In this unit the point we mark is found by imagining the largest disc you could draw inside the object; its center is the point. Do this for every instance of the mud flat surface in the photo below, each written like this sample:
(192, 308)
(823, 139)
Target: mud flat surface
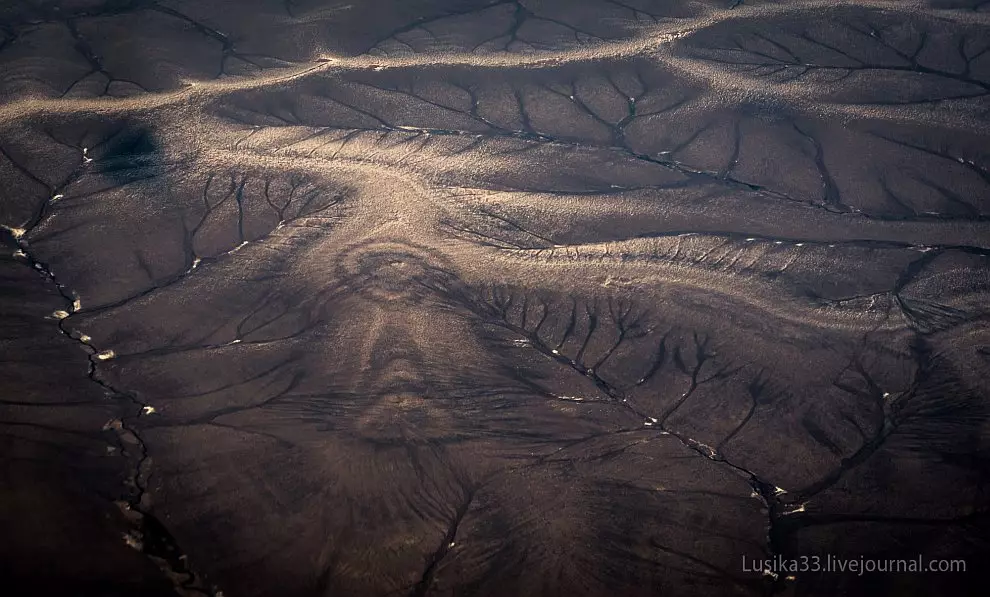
(492, 299)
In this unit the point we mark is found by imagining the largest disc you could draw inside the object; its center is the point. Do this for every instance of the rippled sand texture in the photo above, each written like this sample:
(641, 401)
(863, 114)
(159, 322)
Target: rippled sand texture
(492, 299)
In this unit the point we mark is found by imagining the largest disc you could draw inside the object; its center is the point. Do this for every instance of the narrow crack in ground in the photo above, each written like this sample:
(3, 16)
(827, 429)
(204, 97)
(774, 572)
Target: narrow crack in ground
(149, 535)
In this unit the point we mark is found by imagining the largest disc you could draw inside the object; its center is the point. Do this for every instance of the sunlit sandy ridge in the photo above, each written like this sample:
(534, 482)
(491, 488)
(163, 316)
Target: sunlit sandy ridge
(384, 206)
(731, 86)
(592, 268)
(392, 192)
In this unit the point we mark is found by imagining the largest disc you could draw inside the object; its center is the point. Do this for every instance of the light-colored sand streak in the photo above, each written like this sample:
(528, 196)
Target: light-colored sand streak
(656, 44)
(404, 208)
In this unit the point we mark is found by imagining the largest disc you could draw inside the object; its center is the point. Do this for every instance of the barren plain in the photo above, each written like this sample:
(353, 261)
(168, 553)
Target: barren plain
(489, 298)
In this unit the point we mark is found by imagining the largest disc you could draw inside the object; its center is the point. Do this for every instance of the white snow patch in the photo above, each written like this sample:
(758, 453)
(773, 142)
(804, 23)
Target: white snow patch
(15, 232)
